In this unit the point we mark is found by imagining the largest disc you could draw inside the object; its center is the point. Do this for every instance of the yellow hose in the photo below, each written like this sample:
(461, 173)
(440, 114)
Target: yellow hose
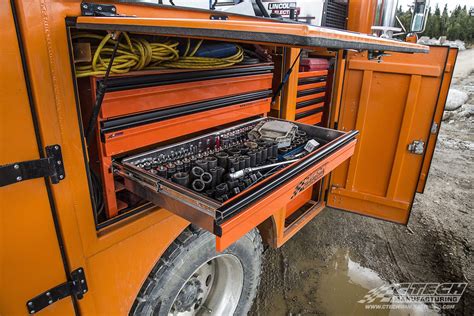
(140, 54)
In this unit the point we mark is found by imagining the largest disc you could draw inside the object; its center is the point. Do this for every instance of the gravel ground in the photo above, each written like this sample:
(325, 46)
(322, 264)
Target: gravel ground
(332, 263)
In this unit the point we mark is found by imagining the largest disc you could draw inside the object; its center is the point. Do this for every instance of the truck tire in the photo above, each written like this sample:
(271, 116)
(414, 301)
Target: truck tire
(193, 278)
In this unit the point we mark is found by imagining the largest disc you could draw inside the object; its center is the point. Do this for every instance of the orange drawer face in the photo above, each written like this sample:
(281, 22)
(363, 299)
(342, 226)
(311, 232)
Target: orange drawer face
(128, 101)
(252, 192)
(125, 139)
(129, 95)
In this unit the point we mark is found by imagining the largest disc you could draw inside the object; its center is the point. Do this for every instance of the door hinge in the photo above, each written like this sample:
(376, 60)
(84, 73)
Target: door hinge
(417, 147)
(96, 9)
(77, 287)
(52, 166)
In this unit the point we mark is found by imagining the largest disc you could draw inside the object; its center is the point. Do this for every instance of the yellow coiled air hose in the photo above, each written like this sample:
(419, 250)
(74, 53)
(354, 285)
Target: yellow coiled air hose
(139, 54)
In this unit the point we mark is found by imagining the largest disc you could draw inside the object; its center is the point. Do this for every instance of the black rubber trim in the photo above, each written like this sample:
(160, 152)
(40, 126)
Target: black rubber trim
(135, 82)
(308, 113)
(144, 207)
(254, 194)
(245, 36)
(304, 81)
(306, 103)
(304, 93)
(165, 114)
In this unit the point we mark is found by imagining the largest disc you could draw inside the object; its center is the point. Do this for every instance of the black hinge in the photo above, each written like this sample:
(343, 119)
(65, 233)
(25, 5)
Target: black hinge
(96, 9)
(51, 166)
(77, 287)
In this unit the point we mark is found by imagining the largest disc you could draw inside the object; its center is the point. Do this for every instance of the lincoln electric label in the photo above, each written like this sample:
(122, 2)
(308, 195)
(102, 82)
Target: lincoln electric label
(282, 8)
(311, 179)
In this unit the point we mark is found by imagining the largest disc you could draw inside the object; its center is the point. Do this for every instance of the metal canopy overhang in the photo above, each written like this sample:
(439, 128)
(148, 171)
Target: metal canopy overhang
(277, 33)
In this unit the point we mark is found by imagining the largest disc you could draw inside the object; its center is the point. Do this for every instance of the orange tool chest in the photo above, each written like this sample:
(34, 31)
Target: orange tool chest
(310, 97)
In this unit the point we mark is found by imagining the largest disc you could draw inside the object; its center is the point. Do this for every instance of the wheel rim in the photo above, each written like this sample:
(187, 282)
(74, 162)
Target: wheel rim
(213, 288)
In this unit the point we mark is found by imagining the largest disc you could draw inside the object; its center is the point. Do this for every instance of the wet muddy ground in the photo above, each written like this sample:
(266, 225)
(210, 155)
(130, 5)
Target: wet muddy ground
(336, 259)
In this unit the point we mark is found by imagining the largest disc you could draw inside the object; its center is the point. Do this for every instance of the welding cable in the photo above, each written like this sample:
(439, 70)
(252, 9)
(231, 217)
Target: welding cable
(136, 54)
(139, 54)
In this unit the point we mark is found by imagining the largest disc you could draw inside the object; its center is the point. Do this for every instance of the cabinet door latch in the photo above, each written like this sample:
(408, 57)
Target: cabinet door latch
(417, 147)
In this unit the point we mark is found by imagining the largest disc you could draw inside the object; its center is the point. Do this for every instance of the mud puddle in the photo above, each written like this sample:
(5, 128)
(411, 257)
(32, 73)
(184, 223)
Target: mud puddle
(345, 282)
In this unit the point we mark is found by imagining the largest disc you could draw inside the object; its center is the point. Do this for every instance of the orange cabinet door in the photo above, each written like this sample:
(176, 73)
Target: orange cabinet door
(30, 257)
(393, 104)
(443, 96)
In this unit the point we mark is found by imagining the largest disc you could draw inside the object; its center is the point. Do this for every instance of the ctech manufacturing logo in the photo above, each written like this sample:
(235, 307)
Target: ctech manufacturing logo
(404, 295)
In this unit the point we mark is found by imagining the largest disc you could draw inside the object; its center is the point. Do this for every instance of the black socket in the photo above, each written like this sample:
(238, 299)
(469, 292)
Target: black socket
(264, 154)
(272, 160)
(198, 185)
(213, 172)
(234, 163)
(181, 178)
(220, 174)
(247, 161)
(241, 162)
(171, 169)
(274, 149)
(162, 171)
(253, 158)
(187, 164)
(258, 156)
(222, 159)
(179, 166)
(269, 149)
(232, 184)
(211, 162)
(206, 178)
(196, 172)
(243, 150)
(202, 163)
(221, 189)
(234, 151)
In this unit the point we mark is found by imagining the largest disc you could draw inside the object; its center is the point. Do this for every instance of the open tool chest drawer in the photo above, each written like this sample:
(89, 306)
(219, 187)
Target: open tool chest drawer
(209, 180)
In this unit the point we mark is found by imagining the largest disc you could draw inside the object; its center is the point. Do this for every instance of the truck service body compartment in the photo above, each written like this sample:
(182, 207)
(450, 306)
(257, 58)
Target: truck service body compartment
(131, 119)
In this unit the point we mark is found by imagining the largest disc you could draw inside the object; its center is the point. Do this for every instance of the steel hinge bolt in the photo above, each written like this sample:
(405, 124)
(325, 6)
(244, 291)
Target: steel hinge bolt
(19, 178)
(16, 167)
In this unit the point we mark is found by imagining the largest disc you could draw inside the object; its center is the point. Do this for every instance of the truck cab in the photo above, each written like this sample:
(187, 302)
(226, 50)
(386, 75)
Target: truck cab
(150, 152)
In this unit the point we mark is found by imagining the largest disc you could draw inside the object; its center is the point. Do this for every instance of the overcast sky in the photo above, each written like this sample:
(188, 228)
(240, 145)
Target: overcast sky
(451, 3)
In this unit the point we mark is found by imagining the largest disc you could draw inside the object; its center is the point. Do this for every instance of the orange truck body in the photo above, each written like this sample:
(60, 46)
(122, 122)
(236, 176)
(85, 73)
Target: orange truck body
(49, 230)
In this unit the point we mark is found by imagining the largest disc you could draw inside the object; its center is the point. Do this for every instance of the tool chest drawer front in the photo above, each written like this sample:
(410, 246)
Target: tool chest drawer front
(132, 95)
(311, 94)
(127, 133)
(229, 181)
